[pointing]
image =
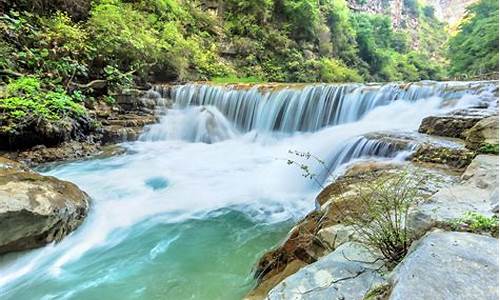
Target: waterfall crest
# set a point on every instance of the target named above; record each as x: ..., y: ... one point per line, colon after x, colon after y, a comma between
x: 306, y: 108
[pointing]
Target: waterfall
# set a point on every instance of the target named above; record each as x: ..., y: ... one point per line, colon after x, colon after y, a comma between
x: 362, y: 147
x: 298, y: 108
x: 203, y: 124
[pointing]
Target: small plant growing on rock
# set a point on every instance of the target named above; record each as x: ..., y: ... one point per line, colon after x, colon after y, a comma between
x: 379, y: 208
x: 380, y: 219
x: 306, y: 169
x: 489, y: 149
x: 476, y: 222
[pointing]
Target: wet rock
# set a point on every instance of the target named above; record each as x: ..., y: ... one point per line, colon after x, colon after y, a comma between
x: 124, y: 128
x: 43, y: 132
x: 483, y: 133
x: 347, y: 273
x: 450, y: 152
x: 457, y: 156
x: 473, y: 193
x: 36, y: 210
x: 321, y: 231
x: 139, y: 100
x: 448, y: 265
x: 454, y: 124
x: 71, y: 150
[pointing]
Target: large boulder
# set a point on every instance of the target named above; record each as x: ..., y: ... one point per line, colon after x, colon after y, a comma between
x: 454, y: 124
x: 36, y: 210
x: 448, y: 265
x: 347, y: 273
x: 485, y: 132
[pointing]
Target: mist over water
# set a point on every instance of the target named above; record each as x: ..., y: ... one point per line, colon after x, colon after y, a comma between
x: 191, y: 206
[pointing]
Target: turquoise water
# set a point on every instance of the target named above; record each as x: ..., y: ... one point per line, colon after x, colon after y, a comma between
x: 209, y: 258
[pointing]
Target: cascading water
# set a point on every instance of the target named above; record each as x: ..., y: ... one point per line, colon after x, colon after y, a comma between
x: 191, y: 206
x: 308, y: 108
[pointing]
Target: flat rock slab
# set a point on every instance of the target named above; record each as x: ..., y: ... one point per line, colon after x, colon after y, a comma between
x: 448, y: 265
x: 474, y: 193
x: 347, y: 273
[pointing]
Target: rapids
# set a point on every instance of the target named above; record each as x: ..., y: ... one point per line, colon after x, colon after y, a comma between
x: 187, y: 211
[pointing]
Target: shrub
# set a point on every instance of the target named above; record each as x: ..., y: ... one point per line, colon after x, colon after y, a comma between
x: 124, y: 37
x: 27, y: 100
x: 474, y: 50
x: 382, y: 210
x: 333, y: 70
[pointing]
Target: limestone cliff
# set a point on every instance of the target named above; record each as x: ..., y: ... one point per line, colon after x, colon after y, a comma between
x: 402, y: 14
x: 450, y: 11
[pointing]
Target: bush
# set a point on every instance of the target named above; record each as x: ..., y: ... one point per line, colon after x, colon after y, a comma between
x: 124, y: 37
x: 382, y: 210
x: 474, y: 50
x: 26, y: 100
x: 333, y: 70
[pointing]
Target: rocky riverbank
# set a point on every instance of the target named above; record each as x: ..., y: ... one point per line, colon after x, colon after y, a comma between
x: 324, y: 257
x: 36, y: 210
x: 107, y: 124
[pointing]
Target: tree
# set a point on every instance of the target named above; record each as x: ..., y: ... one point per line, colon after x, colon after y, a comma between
x: 474, y: 50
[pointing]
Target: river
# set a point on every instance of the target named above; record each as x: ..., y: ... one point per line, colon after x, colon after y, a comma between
x: 191, y: 206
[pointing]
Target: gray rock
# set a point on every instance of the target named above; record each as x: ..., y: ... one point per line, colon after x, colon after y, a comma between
x: 448, y: 265
x: 494, y: 201
x: 484, y: 132
x: 336, y: 235
x: 347, y: 273
x: 454, y: 124
x: 473, y: 194
x: 35, y: 209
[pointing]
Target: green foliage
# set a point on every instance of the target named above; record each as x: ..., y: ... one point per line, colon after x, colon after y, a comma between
x: 303, y: 16
x: 234, y: 79
x: 387, y: 52
x: 25, y: 100
x: 476, y: 222
x: 116, y: 79
x: 333, y: 70
x: 166, y: 40
x: 123, y: 36
x: 489, y: 149
x: 474, y: 50
x: 23, y: 86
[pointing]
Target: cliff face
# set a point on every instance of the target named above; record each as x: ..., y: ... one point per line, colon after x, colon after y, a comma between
x: 450, y: 11
x: 400, y: 15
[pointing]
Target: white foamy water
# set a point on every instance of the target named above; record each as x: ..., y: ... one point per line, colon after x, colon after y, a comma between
x: 210, y: 184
